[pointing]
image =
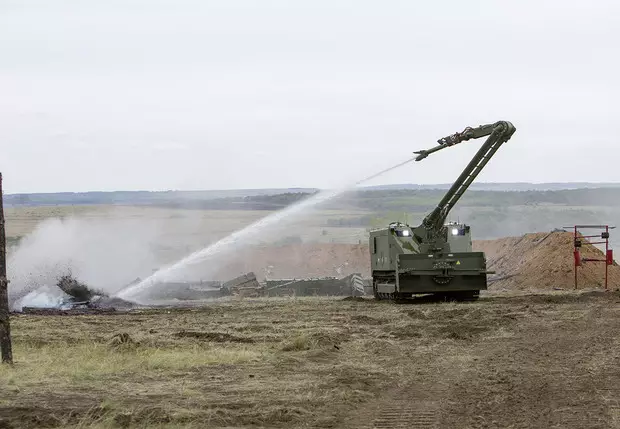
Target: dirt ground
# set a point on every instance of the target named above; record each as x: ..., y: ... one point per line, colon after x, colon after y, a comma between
x: 507, y: 361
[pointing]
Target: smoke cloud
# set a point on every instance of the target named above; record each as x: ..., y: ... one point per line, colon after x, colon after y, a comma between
x: 43, y: 297
x: 106, y: 254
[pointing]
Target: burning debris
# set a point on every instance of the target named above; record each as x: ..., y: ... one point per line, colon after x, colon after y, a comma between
x: 69, y: 296
x: 76, y: 289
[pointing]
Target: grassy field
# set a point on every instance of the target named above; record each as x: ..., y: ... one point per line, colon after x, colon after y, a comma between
x: 21, y: 221
x: 177, y: 225
x: 505, y: 361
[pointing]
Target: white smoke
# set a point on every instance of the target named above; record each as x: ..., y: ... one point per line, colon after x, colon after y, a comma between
x: 105, y: 254
x: 43, y: 297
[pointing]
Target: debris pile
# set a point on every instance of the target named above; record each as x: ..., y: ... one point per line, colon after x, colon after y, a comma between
x: 185, y: 291
x: 352, y: 285
x: 543, y: 261
x: 247, y: 285
x: 70, y: 296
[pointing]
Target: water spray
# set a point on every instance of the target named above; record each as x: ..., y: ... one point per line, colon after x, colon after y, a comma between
x: 228, y: 243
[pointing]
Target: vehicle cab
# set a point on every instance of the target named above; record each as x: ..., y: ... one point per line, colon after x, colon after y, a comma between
x: 458, y: 236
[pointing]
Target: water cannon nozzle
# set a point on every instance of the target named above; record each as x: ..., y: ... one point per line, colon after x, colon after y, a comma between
x: 421, y: 155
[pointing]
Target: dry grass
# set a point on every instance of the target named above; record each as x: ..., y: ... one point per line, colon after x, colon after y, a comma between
x: 316, y: 362
x: 91, y: 361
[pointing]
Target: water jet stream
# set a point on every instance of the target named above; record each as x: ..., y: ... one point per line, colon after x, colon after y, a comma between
x: 241, y: 236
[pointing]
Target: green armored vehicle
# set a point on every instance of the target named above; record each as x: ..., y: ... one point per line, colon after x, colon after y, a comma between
x: 436, y: 257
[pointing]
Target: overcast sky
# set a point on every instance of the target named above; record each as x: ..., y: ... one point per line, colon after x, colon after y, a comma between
x: 182, y: 94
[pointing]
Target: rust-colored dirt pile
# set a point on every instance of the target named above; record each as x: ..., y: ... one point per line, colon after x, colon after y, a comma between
x: 543, y: 261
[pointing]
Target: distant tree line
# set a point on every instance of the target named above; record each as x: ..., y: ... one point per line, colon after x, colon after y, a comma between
x: 396, y: 200
x: 258, y: 202
x: 426, y: 200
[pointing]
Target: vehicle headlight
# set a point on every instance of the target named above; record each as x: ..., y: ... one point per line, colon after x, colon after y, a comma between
x: 406, y: 233
x: 455, y: 231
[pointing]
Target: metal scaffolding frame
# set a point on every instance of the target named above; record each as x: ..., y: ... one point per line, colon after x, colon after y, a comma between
x: 604, y: 239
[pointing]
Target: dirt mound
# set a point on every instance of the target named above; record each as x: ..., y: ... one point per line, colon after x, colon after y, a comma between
x: 543, y: 261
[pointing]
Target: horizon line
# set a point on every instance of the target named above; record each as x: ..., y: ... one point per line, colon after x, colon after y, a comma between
x: 395, y: 185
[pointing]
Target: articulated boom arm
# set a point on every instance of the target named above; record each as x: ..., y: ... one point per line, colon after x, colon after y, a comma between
x: 499, y: 133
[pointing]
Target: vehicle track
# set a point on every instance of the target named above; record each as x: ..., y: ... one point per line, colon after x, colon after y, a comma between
x: 415, y: 406
x: 407, y: 415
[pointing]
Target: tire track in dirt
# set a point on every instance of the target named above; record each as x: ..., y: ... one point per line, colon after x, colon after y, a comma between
x: 551, y: 365
x: 420, y: 414
x: 549, y: 375
x: 405, y: 416
x: 395, y: 410
x: 415, y: 403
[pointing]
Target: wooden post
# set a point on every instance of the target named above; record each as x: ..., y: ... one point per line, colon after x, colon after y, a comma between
x: 5, y: 327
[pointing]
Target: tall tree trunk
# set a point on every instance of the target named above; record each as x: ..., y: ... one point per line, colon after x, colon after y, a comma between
x: 5, y: 326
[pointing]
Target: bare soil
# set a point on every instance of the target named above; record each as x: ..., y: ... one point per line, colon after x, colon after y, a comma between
x: 519, y: 361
